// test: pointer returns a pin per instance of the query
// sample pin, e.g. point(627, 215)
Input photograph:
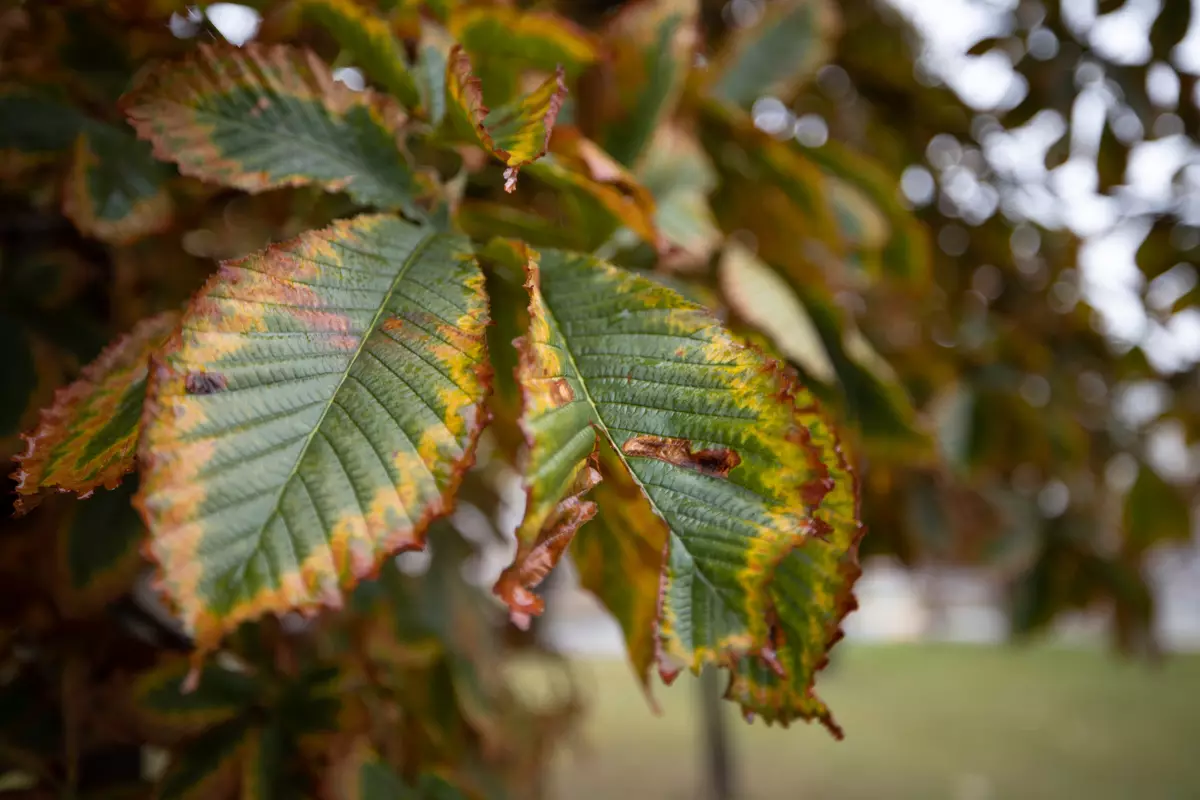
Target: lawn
point(922, 721)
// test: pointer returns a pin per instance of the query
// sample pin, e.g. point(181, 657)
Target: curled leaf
point(517, 133)
point(86, 439)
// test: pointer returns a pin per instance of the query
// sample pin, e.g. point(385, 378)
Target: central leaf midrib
point(566, 348)
point(294, 472)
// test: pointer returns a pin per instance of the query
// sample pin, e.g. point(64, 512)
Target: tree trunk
point(718, 755)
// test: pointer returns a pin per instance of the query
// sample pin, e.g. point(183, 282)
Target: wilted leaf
point(116, 191)
point(653, 44)
point(536, 39)
point(86, 438)
point(316, 412)
point(1155, 512)
point(369, 41)
point(517, 133)
point(99, 550)
point(725, 446)
point(261, 117)
point(778, 53)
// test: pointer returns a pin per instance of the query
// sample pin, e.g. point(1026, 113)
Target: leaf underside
point(742, 479)
point(315, 413)
point(261, 117)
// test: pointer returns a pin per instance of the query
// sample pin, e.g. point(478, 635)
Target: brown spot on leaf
point(561, 392)
point(198, 382)
point(716, 461)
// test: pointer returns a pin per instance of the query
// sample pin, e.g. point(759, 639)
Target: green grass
point(962, 722)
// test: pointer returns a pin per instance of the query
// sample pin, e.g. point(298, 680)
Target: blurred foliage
point(799, 166)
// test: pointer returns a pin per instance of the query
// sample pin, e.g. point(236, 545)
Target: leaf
point(316, 412)
point(715, 435)
point(209, 767)
point(764, 300)
point(18, 374)
point(100, 549)
point(86, 439)
point(517, 133)
point(680, 176)
point(262, 117)
point(1155, 512)
point(535, 39)
point(115, 190)
point(607, 194)
point(369, 40)
point(778, 54)
point(773, 191)
point(359, 774)
point(173, 701)
point(907, 253)
point(34, 128)
point(653, 46)
point(620, 556)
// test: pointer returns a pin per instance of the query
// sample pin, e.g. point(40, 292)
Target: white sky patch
point(237, 23)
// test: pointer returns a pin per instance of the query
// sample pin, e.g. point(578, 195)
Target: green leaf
point(620, 554)
point(728, 450)
point(315, 414)
point(211, 766)
point(369, 41)
point(116, 191)
point(777, 54)
point(517, 133)
point(907, 251)
point(261, 117)
point(35, 125)
point(775, 192)
point(174, 701)
point(680, 176)
point(359, 774)
point(86, 439)
point(1155, 512)
point(535, 39)
point(763, 299)
point(17, 373)
point(100, 548)
point(653, 44)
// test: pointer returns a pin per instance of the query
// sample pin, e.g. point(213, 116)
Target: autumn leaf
point(535, 39)
point(777, 54)
point(261, 117)
point(608, 195)
point(653, 47)
point(115, 190)
point(517, 133)
point(902, 240)
point(211, 765)
point(727, 449)
point(171, 701)
point(86, 439)
point(773, 191)
point(316, 412)
point(369, 40)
